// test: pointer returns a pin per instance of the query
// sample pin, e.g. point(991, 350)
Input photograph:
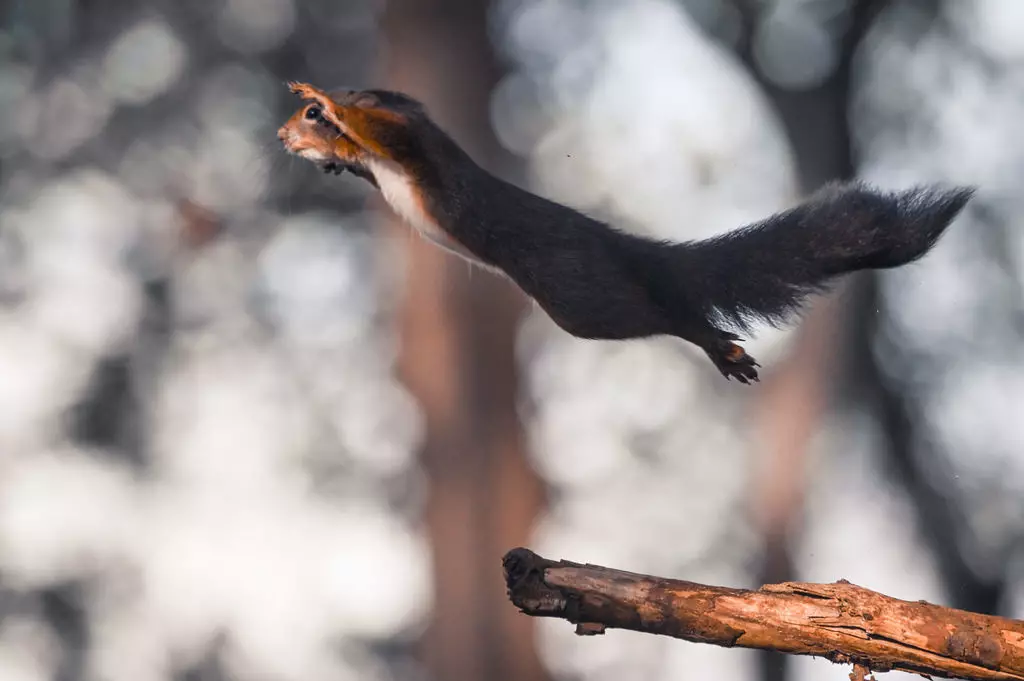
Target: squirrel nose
point(282, 133)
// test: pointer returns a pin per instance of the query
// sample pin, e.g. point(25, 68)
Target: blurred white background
point(251, 429)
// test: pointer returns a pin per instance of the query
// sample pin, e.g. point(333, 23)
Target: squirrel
point(596, 281)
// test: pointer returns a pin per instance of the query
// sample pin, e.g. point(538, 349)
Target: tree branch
point(843, 622)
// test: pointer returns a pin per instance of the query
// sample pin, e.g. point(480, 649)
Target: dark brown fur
point(598, 282)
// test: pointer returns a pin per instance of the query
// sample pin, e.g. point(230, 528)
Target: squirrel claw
point(733, 361)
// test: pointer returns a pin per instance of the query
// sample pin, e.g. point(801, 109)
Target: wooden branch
point(843, 622)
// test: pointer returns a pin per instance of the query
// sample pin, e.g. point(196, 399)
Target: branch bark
point(843, 622)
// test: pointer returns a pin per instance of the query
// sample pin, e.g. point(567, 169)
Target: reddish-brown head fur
point(345, 127)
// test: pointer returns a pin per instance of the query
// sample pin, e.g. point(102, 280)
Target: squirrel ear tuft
point(308, 92)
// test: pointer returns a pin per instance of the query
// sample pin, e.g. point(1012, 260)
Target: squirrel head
point(353, 128)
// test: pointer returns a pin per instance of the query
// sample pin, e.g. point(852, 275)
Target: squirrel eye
point(313, 113)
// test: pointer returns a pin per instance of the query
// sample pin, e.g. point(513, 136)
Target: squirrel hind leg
point(731, 359)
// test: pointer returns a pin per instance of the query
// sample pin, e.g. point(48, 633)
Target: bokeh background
point(252, 429)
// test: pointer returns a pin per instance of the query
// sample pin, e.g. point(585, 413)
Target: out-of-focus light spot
point(256, 25)
point(41, 377)
point(720, 19)
point(146, 61)
point(15, 81)
point(243, 428)
point(976, 409)
point(151, 165)
point(568, 455)
point(848, 486)
point(212, 290)
point(129, 643)
point(230, 170)
point(960, 136)
point(328, 567)
point(77, 232)
point(702, 661)
point(318, 287)
point(944, 298)
point(994, 26)
point(88, 212)
point(28, 651)
point(538, 32)
point(621, 655)
point(238, 97)
point(519, 126)
point(793, 50)
point(63, 117)
point(1015, 577)
point(384, 586)
point(60, 515)
point(317, 280)
point(90, 307)
point(381, 425)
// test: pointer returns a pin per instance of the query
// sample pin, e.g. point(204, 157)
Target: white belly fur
point(398, 190)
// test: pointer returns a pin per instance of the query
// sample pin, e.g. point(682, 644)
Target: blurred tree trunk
point(457, 330)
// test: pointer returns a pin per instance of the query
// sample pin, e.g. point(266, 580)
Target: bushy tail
point(764, 271)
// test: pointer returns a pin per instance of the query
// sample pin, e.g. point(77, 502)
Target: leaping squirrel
point(596, 281)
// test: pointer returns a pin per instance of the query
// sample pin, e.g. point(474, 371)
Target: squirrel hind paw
point(732, 360)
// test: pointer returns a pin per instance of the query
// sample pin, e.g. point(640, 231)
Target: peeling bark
point(843, 622)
